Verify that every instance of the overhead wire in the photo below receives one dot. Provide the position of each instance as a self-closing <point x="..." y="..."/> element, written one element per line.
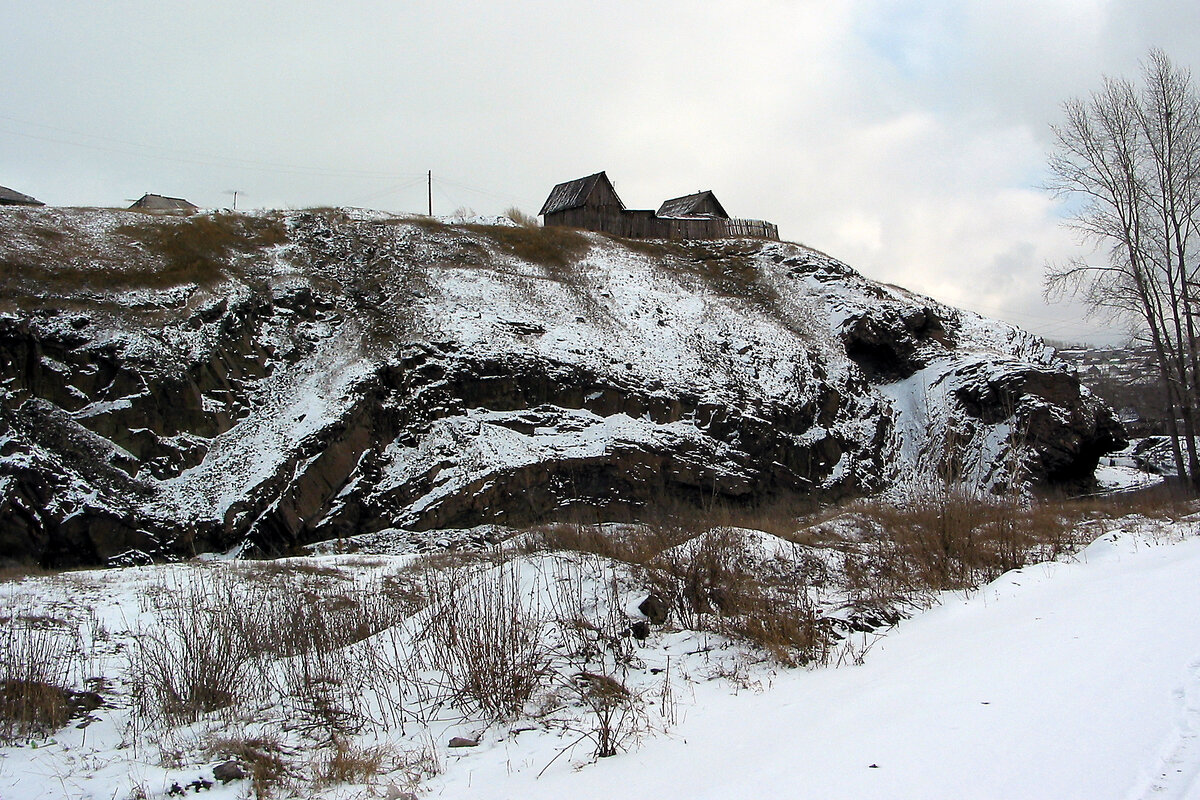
<point x="143" y="149"/>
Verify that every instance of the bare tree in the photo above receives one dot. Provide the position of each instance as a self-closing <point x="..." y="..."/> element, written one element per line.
<point x="1133" y="159"/>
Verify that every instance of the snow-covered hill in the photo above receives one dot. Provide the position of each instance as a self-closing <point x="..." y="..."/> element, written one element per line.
<point x="173" y="385"/>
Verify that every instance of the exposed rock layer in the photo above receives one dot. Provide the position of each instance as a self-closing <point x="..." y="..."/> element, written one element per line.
<point x="180" y="384"/>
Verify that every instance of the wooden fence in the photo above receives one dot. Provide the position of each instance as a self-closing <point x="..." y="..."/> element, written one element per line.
<point x="755" y="228"/>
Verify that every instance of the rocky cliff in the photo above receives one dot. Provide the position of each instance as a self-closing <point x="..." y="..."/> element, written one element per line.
<point x="174" y="384"/>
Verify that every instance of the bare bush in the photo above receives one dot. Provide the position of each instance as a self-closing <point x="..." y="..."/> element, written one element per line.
<point x="195" y="658"/>
<point x="714" y="584"/>
<point x="39" y="663"/>
<point x="482" y="638"/>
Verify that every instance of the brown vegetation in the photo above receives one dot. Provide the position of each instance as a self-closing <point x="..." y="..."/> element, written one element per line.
<point x="551" y="248"/>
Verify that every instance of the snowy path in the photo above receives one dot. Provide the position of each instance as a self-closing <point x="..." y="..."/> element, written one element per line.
<point x="1076" y="680"/>
<point x="1176" y="773"/>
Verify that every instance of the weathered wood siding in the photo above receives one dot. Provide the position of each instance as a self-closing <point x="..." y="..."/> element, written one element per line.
<point x="755" y="228"/>
<point x="646" y="225"/>
<point x="694" y="228"/>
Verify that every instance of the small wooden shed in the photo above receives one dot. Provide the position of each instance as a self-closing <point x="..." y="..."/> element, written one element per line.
<point x="158" y="202"/>
<point x="700" y="204"/>
<point x="11" y="197"/>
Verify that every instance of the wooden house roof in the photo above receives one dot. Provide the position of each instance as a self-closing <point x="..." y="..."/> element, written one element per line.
<point x="11" y="197"/>
<point x="157" y="202"/>
<point x="574" y="194"/>
<point x="692" y="205"/>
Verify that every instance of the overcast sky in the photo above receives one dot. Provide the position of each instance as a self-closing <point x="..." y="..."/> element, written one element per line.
<point x="908" y="139"/>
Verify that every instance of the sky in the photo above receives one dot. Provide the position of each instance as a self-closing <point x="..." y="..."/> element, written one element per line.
<point x="908" y="139"/>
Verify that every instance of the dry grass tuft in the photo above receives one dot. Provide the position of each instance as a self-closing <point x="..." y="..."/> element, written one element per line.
<point x="347" y="762"/>
<point x="552" y="248"/>
<point x="521" y="218"/>
<point x="264" y="758"/>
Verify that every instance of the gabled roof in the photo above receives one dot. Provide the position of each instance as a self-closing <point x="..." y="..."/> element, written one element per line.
<point x="573" y="194"/>
<point x="157" y="202"/>
<point x="10" y="197"/>
<point x="689" y="206"/>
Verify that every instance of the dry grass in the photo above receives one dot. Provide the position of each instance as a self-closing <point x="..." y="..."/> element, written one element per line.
<point x="552" y="248"/>
<point x="154" y="253"/>
<point x="264" y="758"/>
<point x="727" y="267"/>
<point x="12" y="573"/>
<point x="630" y="544"/>
<point x="521" y="218"/>
<point x="198" y="249"/>
<point x="347" y="762"/>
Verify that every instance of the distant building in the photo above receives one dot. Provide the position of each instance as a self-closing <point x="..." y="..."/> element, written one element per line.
<point x="9" y="197"/>
<point x="157" y="202"/>
<point x="592" y="203"/>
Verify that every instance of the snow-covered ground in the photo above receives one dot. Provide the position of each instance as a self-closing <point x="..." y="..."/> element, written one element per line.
<point x="1074" y="679"/>
<point x="1063" y="680"/>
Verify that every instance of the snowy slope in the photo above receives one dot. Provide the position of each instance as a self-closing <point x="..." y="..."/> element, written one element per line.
<point x="1074" y="679"/>
<point x="1063" y="680"/>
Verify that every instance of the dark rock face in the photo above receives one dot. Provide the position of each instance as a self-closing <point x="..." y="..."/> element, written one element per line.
<point x="886" y="344"/>
<point x="372" y="373"/>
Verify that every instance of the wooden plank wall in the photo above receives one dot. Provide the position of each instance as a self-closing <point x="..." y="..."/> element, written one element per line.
<point x="646" y="225"/>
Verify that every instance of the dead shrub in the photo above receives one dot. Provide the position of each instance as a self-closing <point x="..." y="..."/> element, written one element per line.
<point x="713" y="583"/>
<point x="956" y="540"/>
<point x="617" y="713"/>
<point x="196" y="657"/>
<point x="480" y="636"/>
<point x="39" y="663"/>
<point x="301" y="634"/>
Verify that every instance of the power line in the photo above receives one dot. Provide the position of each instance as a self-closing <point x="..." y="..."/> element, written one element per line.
<point x="142" y="149"/>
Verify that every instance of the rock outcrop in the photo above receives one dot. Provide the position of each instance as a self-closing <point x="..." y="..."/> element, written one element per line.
<point x="172" y="385"/>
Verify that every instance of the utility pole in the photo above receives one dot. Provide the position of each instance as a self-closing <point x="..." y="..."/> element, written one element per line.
<point x="430" y="193"/>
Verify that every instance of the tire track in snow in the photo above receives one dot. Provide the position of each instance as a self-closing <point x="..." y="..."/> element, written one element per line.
<point x="1176" y="774"/>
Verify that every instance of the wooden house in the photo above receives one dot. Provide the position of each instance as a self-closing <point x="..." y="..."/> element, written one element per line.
<point x="158" y="202"/>
<point x="592" y="203"/>
<point x="10" y="197"/>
